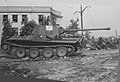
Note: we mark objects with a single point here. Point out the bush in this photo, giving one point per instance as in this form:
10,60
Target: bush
27,28
8,32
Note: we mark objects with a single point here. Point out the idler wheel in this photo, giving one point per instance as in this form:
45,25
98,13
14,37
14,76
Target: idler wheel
20,52
34,52
48,52
61,51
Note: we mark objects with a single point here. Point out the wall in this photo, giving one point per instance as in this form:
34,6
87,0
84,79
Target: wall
31,16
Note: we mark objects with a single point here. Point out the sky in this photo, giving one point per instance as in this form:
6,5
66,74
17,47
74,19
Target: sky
103,13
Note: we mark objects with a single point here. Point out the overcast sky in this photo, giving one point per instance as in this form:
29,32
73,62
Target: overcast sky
103,13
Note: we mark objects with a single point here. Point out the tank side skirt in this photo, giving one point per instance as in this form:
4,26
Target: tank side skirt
52,46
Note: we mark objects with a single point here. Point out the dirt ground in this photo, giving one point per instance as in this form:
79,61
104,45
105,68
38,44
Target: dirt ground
92,66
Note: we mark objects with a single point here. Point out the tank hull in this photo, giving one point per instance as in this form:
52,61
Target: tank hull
59,48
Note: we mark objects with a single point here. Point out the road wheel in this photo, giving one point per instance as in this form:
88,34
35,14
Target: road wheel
20,52
69,49
61,51
48,52
13,52
34,52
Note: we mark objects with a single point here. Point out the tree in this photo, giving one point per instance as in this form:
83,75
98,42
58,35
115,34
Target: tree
27,28
87,38
73,25
101,42
8,32
88,35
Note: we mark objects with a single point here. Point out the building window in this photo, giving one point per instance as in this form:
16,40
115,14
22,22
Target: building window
15,18
24,18
5,17
40,19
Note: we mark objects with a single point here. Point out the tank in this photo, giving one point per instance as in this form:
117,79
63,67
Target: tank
44,42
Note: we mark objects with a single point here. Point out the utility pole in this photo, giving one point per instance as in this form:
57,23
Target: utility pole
81,14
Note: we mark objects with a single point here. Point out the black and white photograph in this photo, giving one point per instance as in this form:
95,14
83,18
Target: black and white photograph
60,40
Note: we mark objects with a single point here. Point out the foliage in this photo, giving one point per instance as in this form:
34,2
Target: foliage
73,25
88,35
27,28
105,43
100,42
8,32
112,42
87,38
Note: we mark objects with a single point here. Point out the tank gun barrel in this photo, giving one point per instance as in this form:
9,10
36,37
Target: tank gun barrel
75,30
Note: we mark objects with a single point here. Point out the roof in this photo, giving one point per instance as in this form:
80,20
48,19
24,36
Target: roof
29,9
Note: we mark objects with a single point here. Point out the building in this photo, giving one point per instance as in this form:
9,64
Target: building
17,15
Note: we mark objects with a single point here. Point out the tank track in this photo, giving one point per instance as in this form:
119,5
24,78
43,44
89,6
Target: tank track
40,57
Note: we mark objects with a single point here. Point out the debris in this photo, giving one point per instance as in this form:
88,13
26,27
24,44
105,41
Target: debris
90,68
